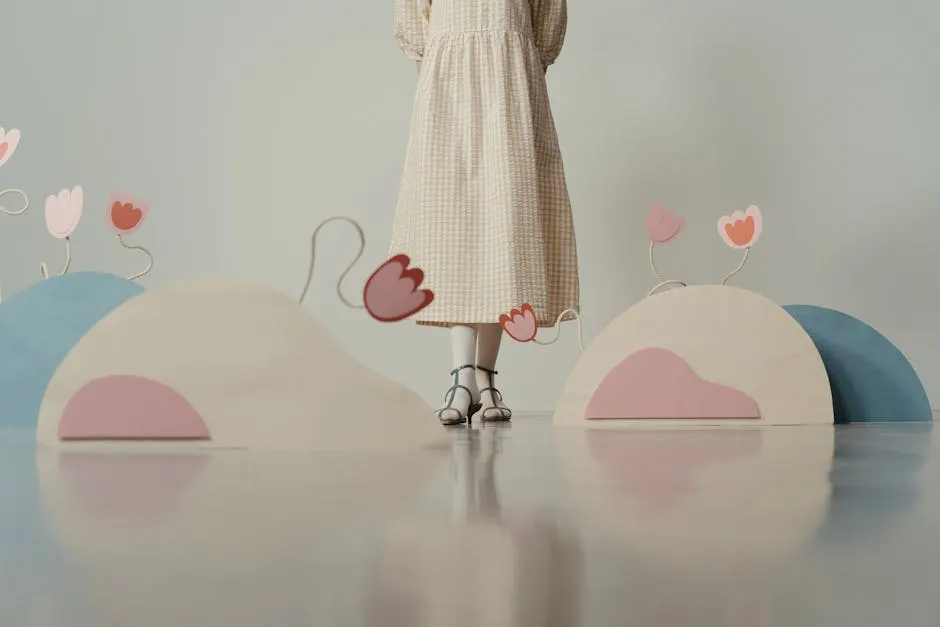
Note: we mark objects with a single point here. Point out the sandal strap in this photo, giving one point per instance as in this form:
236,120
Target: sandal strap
493,390
449,398
504,412
459,368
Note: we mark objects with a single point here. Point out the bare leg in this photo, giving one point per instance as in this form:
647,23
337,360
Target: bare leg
489,337
463,339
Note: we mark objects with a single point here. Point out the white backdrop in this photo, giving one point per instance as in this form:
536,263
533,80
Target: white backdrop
245,124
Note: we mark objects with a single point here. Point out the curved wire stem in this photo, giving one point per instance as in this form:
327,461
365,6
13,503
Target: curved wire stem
44,269
747,251
653,263
342,277
663,282
146,270
577,316
25,202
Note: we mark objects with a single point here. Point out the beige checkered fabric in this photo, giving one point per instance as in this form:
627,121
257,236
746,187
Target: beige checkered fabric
483,207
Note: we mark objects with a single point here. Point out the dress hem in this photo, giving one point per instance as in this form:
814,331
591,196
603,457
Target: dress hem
541,323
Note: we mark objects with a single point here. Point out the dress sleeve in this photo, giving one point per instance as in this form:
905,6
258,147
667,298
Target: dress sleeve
411,27
549,21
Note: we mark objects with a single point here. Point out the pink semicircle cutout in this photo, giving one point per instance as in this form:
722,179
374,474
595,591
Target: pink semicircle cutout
129,407
655,383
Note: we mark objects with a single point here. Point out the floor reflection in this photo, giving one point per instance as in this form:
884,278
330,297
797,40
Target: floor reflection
525,526
704,498
481,566
659,471
224,538
877,476
37,585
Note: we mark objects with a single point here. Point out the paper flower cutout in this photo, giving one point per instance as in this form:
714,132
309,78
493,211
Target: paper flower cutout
392,292
741,229
662,225
126,213
8,143
520,323
63,211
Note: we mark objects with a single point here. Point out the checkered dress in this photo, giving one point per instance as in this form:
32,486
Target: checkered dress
483,207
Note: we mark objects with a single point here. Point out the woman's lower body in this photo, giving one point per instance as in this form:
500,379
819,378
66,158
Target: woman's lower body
483,208
475,349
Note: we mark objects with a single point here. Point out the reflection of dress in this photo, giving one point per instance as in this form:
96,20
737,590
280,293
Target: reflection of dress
483,207
482,569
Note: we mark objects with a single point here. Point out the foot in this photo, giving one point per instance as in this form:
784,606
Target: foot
459,401
492,408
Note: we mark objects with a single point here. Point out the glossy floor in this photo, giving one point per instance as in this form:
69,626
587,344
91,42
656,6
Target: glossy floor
523,525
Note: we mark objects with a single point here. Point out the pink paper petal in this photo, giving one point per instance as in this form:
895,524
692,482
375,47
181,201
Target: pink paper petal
662,225
9,140
732,228
126,213
391,293
64,211
520,324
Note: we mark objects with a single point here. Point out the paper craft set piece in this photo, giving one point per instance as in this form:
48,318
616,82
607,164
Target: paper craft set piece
259,370
63,212
656,383
871,379
392,292
38,328
126,214
707,335
740,230
662,227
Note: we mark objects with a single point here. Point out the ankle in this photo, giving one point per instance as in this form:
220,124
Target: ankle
483,374
467,379
485,379
464,377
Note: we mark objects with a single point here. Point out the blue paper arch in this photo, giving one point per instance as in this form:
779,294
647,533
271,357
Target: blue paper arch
871,380
38,328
